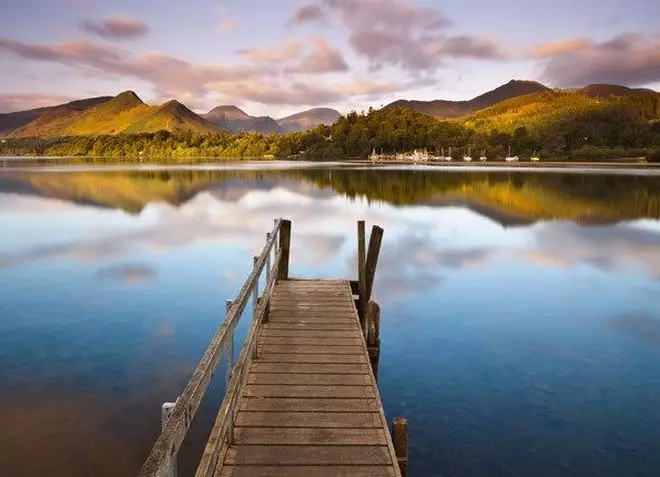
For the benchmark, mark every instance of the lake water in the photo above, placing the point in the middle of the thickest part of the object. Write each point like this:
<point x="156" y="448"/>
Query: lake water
<point x="520" y="311"/>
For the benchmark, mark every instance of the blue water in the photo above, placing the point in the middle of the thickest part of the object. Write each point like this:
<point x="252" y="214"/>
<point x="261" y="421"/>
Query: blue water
<point x="518" y="350"/>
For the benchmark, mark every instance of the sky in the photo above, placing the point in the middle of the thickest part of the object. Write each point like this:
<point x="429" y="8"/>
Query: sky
<point x="278" y="57"/>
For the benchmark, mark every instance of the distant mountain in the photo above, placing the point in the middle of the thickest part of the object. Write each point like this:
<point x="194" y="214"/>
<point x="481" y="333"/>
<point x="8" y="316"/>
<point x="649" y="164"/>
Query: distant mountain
<point x="174" y="117"/>
<point x="452" y="109"/>
<point x="607" y="90"/>
<point x="308" y="119"/>
<point x="125" y="113"/>
<point x="11" y="121"/>
<point x="234" y="119"/>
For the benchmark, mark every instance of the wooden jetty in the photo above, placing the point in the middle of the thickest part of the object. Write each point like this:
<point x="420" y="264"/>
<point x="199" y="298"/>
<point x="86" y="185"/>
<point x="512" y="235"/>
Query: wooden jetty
<point x="301" y="399"/>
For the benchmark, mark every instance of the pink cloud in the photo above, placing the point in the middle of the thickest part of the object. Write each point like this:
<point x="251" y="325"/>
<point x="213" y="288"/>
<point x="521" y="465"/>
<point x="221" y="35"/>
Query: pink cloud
<point x="630" y="59"/>
<point x="307" y="14"/>
<point x="287" y="50"/>
<point x="316" y="57"/>
<point x="116" y="26"/>
<point x="24" y="101"/>
<point x="554" y="48"/>
<point x="402" y="33"/>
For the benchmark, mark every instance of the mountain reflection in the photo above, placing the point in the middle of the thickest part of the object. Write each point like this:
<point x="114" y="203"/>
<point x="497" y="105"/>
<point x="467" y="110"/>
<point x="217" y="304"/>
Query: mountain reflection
<point x="508" y="198"/>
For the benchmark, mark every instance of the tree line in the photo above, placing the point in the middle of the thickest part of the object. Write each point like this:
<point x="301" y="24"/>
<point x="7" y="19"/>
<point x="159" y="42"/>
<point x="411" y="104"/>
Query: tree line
<point x="619" y="129"/>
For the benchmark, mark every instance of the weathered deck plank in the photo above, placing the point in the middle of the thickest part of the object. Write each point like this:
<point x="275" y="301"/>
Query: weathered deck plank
<point x="310" y="406"/>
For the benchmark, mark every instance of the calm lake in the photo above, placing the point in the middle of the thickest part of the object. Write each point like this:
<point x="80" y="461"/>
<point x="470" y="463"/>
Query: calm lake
<point x="520" y="311"/>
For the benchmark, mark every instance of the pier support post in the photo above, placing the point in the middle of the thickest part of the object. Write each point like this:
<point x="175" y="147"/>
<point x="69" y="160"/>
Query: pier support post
<point x="373" y="335"/>
<point x="372" y="260"/>
<point x="361" y="275"/>
<point x="285" y="245"/>
<point x="400" y="441"/>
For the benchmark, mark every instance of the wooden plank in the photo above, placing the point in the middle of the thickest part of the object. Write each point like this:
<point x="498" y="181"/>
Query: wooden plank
<point x="312" y="358"/>
<point x="303" y="333"/>
<point x="308" y="436"/>
<point x="310" y="341"/>
<point x="311" y="379"/>
<point x="312" y="304"/>
<point x="306" y="471"/>
<point x="309" y="326"/>
<point x="308" y="368"/>
<point x="302" y="349"/>
<point x="280" y="318"/>
<point x="289" y="391"/>
<point x="351" y="420"/>
<point x="313" y="317"/>
<point x="308" y="404"/>
<point x="308" y="455"/>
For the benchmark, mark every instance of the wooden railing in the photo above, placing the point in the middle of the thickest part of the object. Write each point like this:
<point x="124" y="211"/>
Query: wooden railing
<point x="161" y="462"/>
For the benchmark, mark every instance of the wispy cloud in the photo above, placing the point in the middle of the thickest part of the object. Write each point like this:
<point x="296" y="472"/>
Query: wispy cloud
<point x="227" y="22"/>
<point x="23" y="101"/>
<point x="307" y="14"/>
<point x="560" y="47"/>
<point x="116" y="26"/>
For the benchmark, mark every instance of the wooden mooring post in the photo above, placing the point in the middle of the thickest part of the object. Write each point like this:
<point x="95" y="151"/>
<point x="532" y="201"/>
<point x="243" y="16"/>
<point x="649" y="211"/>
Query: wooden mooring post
<point x="373" y="335"/>
<point x="400" y="441"/>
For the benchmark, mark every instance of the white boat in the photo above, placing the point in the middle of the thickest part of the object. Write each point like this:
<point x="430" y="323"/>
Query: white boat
<point x="374" y="157"/>
<point x="510" y="158"/>
<point x="483" y="157"/>
<point x="535" y="158"/>
<point x="468" y="157"/>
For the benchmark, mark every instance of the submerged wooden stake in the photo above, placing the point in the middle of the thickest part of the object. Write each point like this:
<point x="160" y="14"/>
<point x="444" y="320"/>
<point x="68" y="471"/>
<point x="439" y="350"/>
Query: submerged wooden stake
<point x="400" y="441"/>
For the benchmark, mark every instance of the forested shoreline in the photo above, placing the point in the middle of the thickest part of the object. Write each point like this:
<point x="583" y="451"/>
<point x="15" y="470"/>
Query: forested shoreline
<point x="622" y="129"/>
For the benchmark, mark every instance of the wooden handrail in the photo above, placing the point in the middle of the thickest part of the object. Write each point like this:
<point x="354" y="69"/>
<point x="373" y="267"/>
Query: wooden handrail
<point x="223" y="426"/>
<point x="168" y="443"/>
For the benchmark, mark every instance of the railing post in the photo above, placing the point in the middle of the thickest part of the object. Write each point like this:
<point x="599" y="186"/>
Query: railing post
<point x="372" y="260"/>
<point x="268" y="256"/>
<point x="255" y="291"/>
<point x="277" y="236"/>
<point x="400" y="441"/>
<point x="165" y="411"/>
<point x="361" y="275"/>
<point x="285" y="245"/>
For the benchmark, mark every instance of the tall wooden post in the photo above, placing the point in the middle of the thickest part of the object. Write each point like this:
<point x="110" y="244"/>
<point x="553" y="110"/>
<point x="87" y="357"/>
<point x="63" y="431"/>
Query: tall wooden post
<point x="285" y="245"/>
<point x="361" y="275"/>
<point x="372" y="260"/>
<point x="373" y="335"/>
<point x="400" y="441"/>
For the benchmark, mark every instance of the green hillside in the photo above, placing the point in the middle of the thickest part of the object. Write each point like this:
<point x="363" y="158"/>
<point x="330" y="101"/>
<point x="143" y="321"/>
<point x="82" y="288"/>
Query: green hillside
<point x="125" y="113"/>
<point x="171" y="116"/>
<point x="9" y="122"/>
<point x="539" y="111"/>
<point x="112" y="117"/>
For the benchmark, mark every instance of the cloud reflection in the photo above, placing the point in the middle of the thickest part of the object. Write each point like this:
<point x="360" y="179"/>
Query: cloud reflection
<point x="127" y="273"/>
<point x="644" y="328"/>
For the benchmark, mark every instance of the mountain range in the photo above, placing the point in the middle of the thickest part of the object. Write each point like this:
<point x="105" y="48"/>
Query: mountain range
<point x="127" y="113"/>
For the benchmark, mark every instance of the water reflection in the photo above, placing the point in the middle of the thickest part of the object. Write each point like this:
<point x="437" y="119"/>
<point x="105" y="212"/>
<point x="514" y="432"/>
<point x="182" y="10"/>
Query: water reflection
<point x="520" y="311"/>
